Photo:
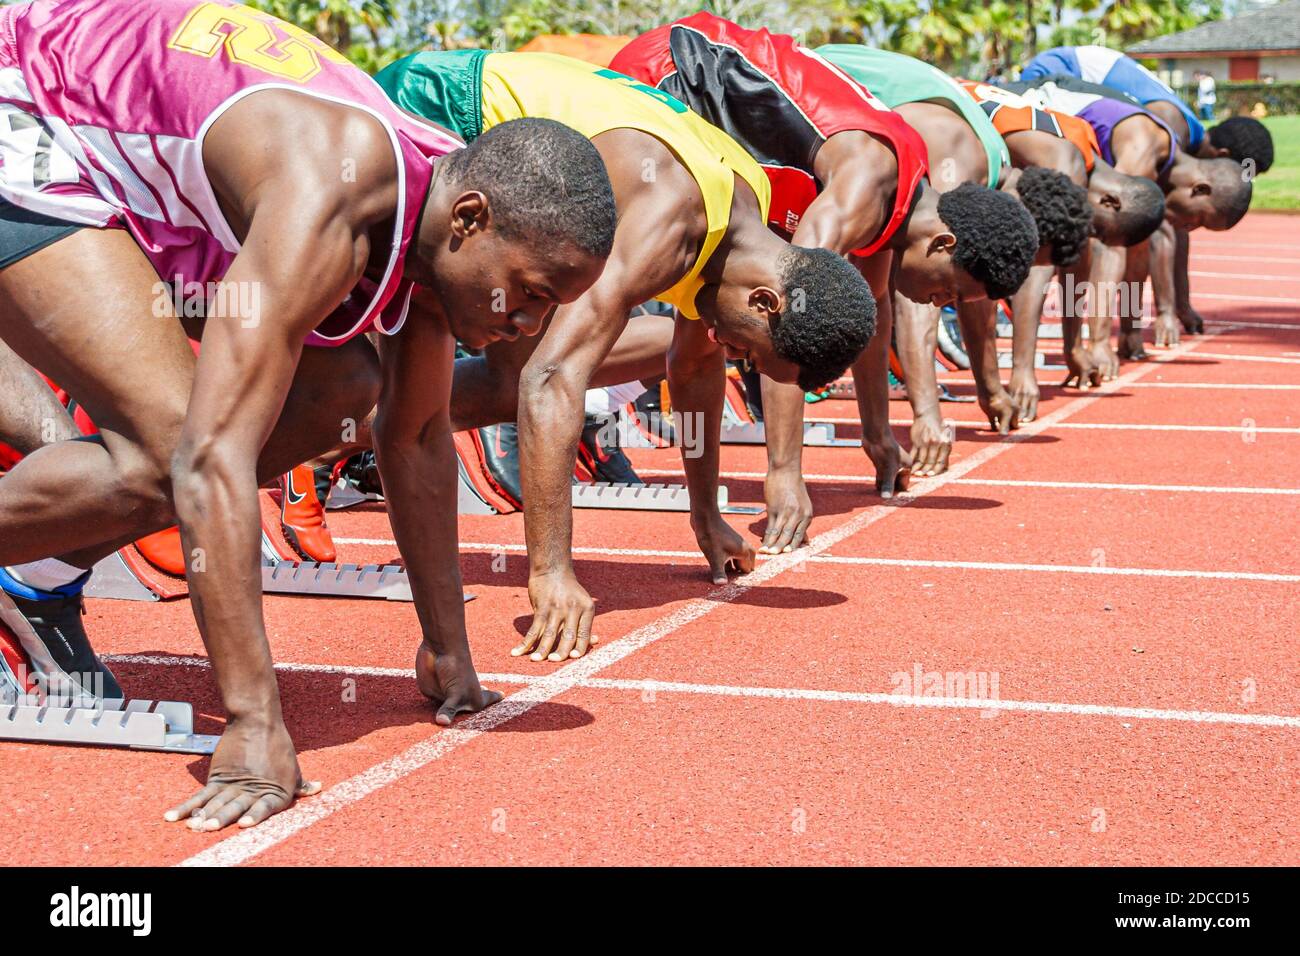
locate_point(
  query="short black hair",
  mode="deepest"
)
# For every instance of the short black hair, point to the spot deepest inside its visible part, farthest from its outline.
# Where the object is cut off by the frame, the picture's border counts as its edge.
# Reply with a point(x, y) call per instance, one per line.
point(829, 315)
point(1245, 138)
point(996, 237)
point(545, 182)
point(1142, 209)
point(1232, 189)
point(1061, 211)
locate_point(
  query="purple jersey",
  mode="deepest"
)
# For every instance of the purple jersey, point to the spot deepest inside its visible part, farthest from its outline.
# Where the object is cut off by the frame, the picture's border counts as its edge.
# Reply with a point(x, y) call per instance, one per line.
point(104, 105)
point(1101, 112)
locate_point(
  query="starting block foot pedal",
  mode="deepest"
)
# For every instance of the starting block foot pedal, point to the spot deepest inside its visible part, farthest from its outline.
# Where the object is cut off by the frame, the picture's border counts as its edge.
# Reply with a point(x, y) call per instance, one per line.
point(344, 494)
point(388, 581)
point(138, 724)
point(336, 580)
point(656, 497)
point(1005, 360)
point(815, 435)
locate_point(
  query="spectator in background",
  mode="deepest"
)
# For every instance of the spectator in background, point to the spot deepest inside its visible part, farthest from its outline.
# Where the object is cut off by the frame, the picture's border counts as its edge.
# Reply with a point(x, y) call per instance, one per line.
point(1205, 95)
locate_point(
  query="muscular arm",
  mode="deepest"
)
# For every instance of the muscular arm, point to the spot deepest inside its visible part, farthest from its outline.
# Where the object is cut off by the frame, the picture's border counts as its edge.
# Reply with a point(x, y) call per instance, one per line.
point(696, 378)
point(1108, 268)
point(305, 247)
point(1164, 283)
point(418, 462)
point(860, 175)
point(1026, 312)
point(650, 255)
point(917, 333)
point(1190, 318)
point(871, 382)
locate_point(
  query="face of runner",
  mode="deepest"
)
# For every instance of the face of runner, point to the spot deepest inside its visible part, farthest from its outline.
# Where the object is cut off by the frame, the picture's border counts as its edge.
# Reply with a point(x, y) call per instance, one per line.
point(1189, 207)
point(739, 319)
point(928, 275)
point(495, 289)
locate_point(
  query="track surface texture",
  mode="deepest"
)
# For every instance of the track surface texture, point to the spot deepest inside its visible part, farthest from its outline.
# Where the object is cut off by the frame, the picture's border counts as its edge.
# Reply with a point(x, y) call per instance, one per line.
point(1076, 647)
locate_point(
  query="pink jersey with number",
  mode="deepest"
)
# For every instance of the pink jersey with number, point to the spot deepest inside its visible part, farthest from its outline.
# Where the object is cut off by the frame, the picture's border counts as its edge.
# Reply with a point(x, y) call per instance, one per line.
point(104, 105)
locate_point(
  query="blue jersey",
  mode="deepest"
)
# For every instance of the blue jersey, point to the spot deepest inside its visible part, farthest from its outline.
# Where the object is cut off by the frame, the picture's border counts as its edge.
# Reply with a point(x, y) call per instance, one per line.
point(1099, 64)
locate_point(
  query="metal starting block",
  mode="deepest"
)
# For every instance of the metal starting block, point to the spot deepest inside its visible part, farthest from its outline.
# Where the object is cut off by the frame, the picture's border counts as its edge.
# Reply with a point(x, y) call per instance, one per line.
point(815, 435)
point(1046, 330)
point(1005, 360)
point(336, 580)
point(139, 724)
point(344, 494)
point(603, 494)
point(113, 579)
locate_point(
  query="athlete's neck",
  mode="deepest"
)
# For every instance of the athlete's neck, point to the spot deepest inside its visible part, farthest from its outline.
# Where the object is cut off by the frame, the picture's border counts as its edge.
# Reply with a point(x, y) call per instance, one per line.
point(749, 248)
point(433, 231)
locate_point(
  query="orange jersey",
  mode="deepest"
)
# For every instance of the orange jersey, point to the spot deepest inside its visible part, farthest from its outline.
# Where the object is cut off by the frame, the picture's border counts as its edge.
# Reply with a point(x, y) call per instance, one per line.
point(1012, 113)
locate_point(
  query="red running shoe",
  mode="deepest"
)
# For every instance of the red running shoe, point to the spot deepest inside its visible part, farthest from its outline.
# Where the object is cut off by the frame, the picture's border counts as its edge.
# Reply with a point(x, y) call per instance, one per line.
point(302, 516)
point(164, 551)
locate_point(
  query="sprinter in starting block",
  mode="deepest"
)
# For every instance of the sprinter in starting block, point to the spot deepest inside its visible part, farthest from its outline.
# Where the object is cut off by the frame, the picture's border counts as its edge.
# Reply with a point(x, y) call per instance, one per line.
point(849, 175)
point(692, 212)
point(281, 264)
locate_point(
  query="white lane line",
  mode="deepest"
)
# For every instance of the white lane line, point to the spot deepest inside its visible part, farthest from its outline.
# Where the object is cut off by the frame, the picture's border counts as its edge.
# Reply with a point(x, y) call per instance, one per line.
point(1261, 277)
point(1201, 246)
point(1120, 486)
point(168, 660)
point(795, 693)
point(926, 563)
point(1250, 358)
point(521, 548)
point(246, 844)
point(1060, 569)
point(993, 482)
point(1225, 297)
point(1205, 255)
point(1292, 326)
point(1106, 426)
point(1218, 387)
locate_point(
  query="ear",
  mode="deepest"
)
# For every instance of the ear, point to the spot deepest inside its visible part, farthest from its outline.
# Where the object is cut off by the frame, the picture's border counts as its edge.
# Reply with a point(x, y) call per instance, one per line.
point(469, 214)
point(1221, 152)
point(765, 301)
point(1201, 188)
point(1111, 201)
point(942, 242)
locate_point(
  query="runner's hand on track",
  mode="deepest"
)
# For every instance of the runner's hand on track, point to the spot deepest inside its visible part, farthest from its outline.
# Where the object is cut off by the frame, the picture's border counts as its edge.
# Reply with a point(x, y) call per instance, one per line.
point(722, 546)
point(789, 511)
point(1002, 412)
point(892, 464)
point(254, 774)
point(1105, 363)
point(931, 445)
point(1024, 392)
point(1082, 373)
point(451, 683)
point(1166, 330)
point(562, 616)
point(1191, 321)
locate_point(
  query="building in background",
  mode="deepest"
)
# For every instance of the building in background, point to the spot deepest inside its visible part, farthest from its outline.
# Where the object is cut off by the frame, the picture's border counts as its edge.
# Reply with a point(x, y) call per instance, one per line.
point(1260, 44)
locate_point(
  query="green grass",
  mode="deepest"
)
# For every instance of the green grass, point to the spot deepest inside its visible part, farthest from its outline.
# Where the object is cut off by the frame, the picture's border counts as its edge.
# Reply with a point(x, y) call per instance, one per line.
point(1279, 188)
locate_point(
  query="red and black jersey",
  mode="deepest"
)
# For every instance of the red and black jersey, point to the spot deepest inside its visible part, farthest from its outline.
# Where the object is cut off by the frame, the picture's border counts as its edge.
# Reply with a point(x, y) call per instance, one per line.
point(779, 100)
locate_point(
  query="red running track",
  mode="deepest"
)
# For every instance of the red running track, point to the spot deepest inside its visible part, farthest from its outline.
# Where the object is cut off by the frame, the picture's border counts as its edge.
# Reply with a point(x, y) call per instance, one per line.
point(1076, 647)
